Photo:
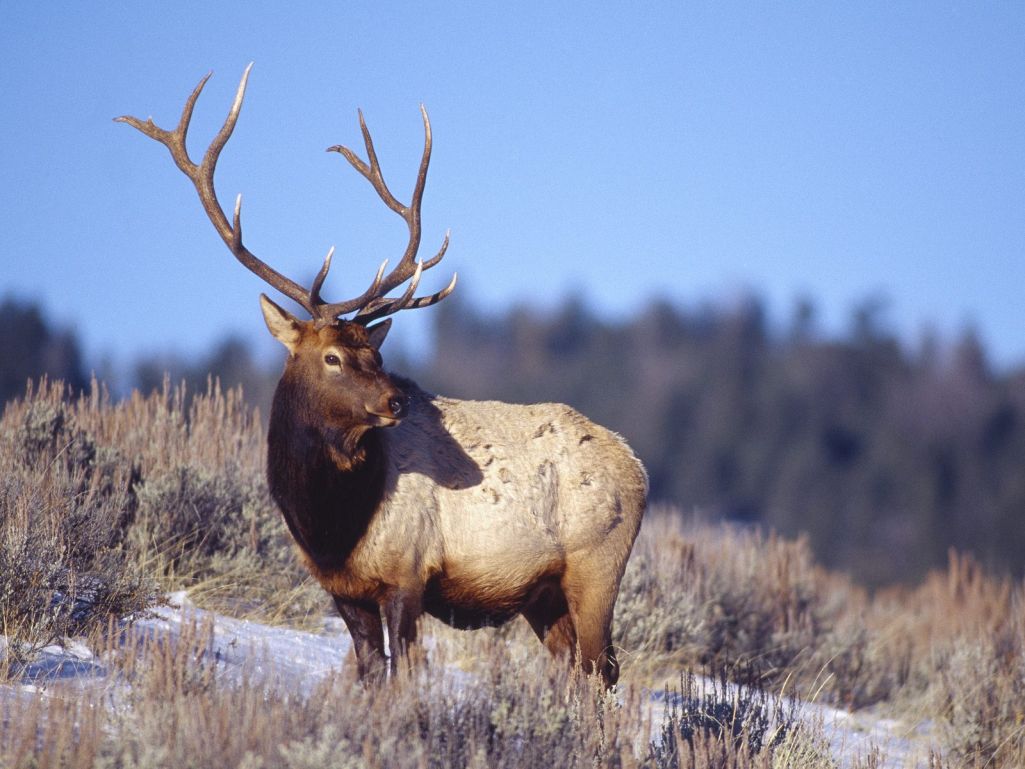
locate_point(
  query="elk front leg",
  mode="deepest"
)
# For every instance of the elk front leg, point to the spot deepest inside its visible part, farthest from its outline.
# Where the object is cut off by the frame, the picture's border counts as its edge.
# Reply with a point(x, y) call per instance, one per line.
point(363, 619)
point(402, 611)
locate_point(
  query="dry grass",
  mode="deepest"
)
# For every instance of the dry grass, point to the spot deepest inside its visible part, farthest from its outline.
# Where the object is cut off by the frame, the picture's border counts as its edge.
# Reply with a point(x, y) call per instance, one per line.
point(104, 506)
point(65, 505)
point(950, 652)
point(177, 709)
point(127, 500)
point(703, 595)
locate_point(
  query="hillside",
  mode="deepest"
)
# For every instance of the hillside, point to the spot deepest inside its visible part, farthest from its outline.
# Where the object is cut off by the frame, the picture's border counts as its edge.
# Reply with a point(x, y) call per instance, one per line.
point(105, 507)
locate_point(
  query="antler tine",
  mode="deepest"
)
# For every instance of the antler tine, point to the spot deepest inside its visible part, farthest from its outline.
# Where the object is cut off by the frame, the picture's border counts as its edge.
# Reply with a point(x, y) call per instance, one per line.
point(441, 252)
point(383, 305)
point(371, 172)
point(318, 281)
point(394, 305)
point(173, 140)
point(202, 178)
point(325, 313)
point(411, 214)
point(381, 308)
point(427, 301)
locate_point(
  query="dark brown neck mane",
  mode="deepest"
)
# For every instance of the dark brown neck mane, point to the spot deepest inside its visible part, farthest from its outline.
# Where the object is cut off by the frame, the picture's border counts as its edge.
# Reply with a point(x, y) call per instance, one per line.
point(327, 482)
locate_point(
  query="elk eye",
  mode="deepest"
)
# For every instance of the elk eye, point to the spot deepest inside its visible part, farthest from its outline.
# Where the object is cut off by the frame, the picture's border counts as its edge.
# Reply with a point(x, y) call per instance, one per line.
point(332, 360)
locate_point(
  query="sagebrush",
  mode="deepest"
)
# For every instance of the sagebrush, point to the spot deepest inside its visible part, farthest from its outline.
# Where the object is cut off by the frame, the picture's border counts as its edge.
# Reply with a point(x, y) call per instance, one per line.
point(105, 506)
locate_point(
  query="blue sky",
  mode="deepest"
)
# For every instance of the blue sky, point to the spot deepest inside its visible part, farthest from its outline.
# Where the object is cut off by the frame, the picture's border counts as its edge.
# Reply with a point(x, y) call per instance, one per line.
point(689, 151)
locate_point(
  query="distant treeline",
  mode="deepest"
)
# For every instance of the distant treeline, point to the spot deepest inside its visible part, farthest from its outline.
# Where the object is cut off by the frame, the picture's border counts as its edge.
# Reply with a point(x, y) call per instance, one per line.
point(885, 455)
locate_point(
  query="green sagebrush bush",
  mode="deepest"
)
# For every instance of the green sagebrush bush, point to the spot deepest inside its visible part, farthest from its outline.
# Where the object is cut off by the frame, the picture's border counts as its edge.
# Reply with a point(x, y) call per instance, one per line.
point(702, 595)
point(104, 506)
point(217, 533)
point(65, 505)
point(194, 515)
point(983, 715)
point(749, 720)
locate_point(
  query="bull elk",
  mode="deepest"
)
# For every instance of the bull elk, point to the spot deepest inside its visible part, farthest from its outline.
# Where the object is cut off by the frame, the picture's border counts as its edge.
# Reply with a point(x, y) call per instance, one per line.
point(403, 502)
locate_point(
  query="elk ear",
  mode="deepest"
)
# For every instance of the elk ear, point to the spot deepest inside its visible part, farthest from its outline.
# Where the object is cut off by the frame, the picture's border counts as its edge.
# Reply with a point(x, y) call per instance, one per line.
point(283, 326)
point(378, 332)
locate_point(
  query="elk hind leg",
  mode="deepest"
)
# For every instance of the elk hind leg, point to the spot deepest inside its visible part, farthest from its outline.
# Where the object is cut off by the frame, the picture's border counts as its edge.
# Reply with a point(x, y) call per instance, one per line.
point(591, 603)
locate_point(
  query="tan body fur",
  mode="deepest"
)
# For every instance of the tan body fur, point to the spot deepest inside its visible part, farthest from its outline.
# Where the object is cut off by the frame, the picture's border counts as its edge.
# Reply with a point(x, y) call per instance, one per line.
point(491, 509)
point(498, 498)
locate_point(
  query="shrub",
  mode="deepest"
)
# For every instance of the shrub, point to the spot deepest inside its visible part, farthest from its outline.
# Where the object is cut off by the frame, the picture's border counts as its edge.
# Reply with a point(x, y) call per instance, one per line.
point(192, 515)
point(103, 506)
point(735, 599)
point(977, 689)
point(65, 504)
point(747, 719)
point(178, 709)
point(216, 533)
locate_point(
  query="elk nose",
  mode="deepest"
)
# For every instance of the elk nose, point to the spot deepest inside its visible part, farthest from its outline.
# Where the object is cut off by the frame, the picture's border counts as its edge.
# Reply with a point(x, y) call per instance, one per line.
point(397, 405)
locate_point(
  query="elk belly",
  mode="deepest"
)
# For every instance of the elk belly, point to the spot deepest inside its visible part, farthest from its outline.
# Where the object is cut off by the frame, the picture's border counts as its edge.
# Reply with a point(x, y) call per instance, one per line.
point(465, 603)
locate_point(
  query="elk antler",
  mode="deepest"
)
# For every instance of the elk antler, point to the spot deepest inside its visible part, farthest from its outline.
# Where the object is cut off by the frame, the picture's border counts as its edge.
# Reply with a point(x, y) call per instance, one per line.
point(372, 303)
point(407, 268)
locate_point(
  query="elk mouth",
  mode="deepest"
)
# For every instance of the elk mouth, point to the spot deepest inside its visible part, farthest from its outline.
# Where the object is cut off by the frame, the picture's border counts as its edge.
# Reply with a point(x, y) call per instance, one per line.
point(383, 420)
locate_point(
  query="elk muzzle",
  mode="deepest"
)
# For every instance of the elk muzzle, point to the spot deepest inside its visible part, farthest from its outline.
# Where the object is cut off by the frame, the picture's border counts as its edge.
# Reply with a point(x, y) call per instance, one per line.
point(390, 408)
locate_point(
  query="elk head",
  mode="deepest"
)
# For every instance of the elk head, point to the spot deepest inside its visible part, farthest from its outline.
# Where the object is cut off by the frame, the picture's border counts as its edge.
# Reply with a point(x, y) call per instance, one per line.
point(335, 360)
point(337, 369)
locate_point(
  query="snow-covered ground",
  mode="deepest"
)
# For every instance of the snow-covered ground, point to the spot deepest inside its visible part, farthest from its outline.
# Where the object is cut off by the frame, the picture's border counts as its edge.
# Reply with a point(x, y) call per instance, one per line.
point(243, 648)
point(238, 646)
